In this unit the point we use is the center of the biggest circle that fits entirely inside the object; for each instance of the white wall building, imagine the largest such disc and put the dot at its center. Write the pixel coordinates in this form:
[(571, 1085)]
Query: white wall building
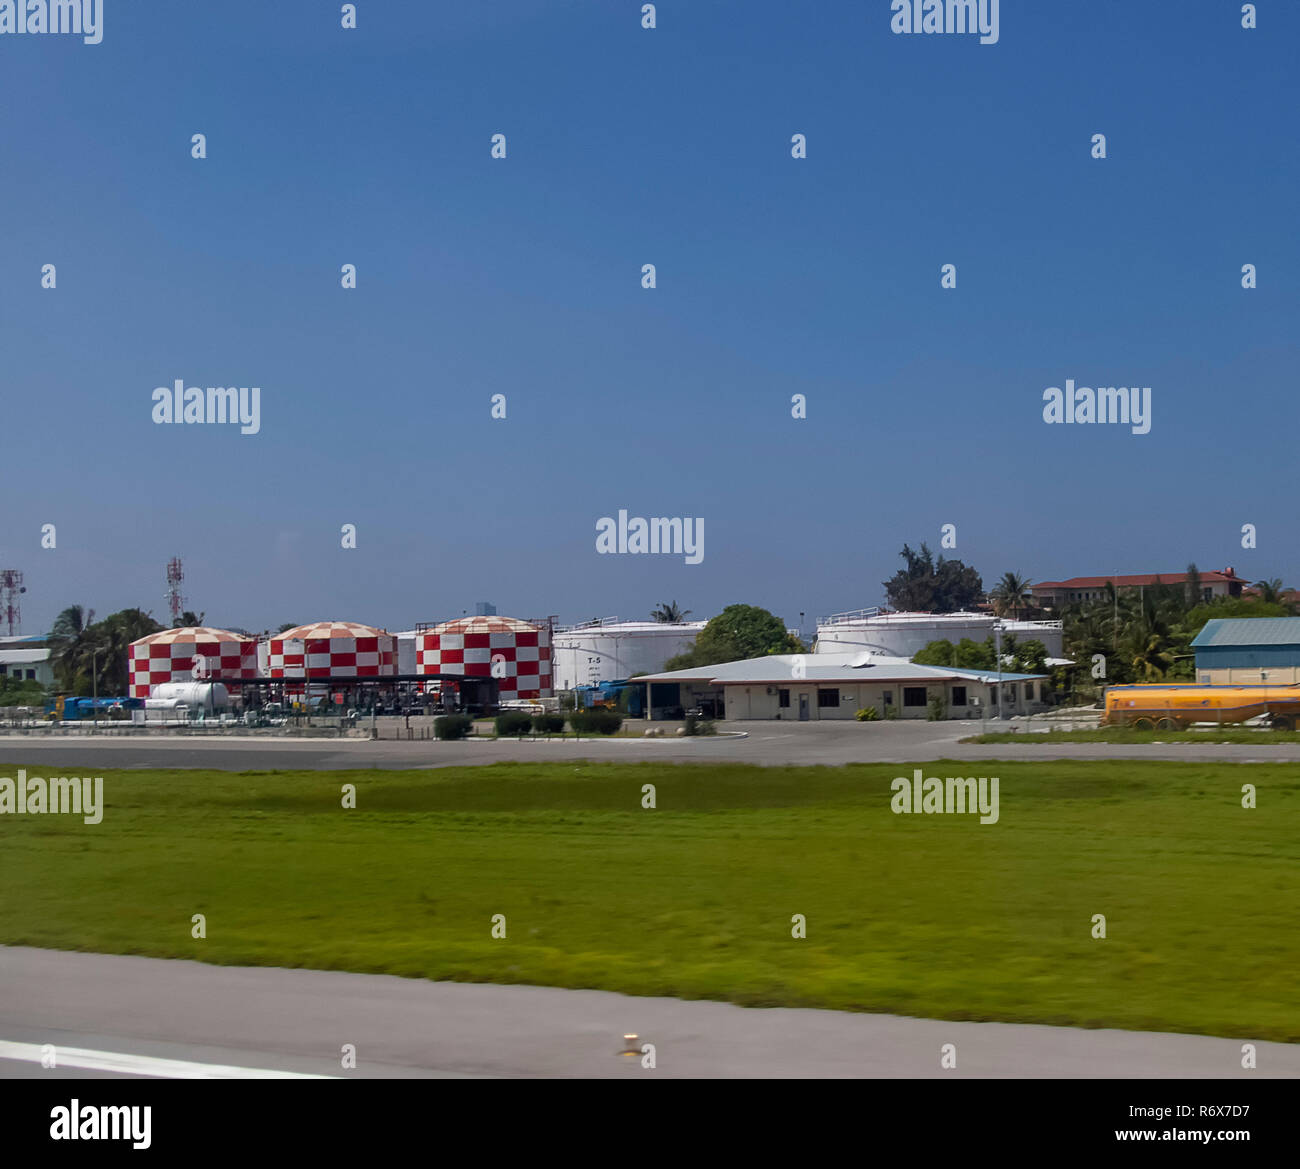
[(25, 659), (609, 649), (813, 687)]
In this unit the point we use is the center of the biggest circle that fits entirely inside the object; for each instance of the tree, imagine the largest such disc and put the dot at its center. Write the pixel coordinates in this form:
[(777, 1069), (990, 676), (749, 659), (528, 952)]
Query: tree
[(94, 659), (288, 625), (1030, 658), (189, 620), (1270, 591), (936, 653), (21, 692), (976, 655), (71, 622), (669, 613), (738, 632), (1147, 639), (69, 642), (930, 586), (1011, 595)]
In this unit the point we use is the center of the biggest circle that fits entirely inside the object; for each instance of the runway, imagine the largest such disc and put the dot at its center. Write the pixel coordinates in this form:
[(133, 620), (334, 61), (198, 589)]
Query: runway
[(763, 743), (296, 1023)]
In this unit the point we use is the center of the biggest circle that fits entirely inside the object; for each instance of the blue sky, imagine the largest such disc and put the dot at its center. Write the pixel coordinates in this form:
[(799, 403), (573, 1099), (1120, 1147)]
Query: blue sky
[(522, 277)]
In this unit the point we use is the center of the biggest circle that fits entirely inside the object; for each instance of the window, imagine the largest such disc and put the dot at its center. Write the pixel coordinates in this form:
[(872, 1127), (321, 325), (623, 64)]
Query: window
[(913, 695), (783, 698), (959, 696), (889, 698), (828, 698), (31, 674)]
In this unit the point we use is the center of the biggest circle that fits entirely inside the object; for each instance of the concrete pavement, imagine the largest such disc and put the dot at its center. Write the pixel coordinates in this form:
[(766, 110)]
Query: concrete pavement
[(767, 743), (298, 1021)]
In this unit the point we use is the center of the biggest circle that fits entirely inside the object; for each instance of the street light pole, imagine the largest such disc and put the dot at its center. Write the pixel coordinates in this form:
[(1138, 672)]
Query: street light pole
[(997, 653), (94, 689)]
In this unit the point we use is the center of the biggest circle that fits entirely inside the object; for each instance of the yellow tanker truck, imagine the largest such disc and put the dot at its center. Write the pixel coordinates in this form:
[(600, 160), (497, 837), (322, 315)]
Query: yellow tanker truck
[(1172, 707)]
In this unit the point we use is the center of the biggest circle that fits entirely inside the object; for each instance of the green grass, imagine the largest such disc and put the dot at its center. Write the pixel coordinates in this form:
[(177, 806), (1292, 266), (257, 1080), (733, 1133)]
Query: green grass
[(926, 915), (1261, 738)]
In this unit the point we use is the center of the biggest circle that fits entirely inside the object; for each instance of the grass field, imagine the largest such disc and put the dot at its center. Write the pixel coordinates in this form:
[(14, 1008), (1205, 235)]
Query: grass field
[(1260, 738), (932, 915)]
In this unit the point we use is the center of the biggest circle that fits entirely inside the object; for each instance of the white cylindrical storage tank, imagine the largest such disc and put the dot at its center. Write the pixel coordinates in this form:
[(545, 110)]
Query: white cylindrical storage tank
[(904, 635), (608, 651), (174, 655), (516, 653), (205, 696)]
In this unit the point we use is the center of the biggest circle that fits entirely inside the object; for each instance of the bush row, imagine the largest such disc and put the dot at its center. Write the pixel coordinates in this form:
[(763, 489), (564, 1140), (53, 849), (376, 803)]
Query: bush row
[(516, 722), (595, 722)]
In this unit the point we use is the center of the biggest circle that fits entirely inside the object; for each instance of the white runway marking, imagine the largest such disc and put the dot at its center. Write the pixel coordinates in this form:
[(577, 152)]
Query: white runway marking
[(144, 1065)]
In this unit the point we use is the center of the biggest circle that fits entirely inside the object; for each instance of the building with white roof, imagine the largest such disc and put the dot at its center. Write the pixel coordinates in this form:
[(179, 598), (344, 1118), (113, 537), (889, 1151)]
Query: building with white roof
[(26, 659), (809, 687)]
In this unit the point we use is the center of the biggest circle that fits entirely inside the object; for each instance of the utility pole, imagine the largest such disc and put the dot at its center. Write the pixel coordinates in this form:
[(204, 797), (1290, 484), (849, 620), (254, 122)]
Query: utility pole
[(1114, 625), (997, 653)]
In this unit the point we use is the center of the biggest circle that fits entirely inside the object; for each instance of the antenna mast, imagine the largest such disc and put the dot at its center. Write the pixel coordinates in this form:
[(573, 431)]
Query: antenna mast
[(175, 602), (11, 588)]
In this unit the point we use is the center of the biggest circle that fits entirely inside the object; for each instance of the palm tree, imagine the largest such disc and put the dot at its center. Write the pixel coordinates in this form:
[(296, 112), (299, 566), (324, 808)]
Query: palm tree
[(1270, 591), (92, 656), (669, 613), (116, 633), (1011, 595), (69, 638), (189, 619), (1148, 640)]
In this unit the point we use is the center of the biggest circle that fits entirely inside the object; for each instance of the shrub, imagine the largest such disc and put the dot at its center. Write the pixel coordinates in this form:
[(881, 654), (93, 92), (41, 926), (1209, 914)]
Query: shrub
[(891, 712), (868, 714), (452, 726), (548, 724), (600, 722), (513, 722), (937, 708)]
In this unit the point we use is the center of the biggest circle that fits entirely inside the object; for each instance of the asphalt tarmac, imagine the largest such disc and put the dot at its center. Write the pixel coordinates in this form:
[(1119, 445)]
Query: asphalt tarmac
[(109, 1016), (764, 743)]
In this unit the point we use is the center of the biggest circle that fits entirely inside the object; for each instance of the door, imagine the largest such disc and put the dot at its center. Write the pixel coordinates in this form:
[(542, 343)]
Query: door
[(803, 708)]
